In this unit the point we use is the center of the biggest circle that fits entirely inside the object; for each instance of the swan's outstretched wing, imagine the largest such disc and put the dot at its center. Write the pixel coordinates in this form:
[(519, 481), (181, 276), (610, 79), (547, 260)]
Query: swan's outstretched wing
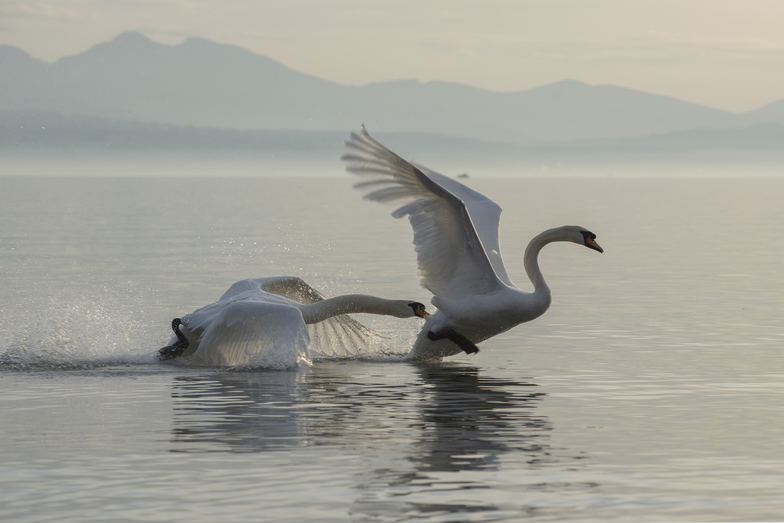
[(343, 337), (455, 228), (292, 288), (336, 337), (255, 333), (289, 287)]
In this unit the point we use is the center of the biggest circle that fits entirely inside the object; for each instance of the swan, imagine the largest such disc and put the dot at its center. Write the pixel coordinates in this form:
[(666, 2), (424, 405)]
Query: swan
[(458, 253), (273, 322)]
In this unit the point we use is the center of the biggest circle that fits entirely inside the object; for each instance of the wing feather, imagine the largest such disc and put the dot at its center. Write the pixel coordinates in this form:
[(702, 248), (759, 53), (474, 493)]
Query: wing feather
[(289, 287), (336, 337), (342, 337), (455, 228), (254, 313), (292, 288), (255, 333)]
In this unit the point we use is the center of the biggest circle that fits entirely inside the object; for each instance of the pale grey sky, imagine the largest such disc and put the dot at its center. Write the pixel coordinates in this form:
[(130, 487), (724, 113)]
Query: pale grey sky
[(721, 53)]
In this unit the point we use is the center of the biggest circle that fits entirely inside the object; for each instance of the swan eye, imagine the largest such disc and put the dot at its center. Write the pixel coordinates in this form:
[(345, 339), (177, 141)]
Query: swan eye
[(419, 309), (590, 241)]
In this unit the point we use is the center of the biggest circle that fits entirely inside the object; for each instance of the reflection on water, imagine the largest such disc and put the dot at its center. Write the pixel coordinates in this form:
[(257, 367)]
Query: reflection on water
[(418, 429), (661, 359), (246, 411), (469, 421), (460, 419)]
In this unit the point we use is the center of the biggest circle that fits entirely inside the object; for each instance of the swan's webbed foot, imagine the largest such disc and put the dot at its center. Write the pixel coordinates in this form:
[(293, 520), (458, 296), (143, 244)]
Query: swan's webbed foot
[(456, 338), (174, 351)]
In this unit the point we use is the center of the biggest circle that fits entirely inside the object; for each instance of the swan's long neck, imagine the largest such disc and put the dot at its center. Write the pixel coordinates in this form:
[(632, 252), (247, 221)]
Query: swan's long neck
[(354, 304), (177, 332), (531, 259)]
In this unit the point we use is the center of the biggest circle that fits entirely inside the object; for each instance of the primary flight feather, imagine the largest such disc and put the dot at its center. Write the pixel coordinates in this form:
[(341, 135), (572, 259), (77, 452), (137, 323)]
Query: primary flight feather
[(458, 253)]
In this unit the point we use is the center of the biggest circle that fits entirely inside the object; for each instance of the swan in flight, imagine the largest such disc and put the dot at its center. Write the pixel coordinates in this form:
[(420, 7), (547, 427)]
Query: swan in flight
[(276, 322), (458, 254)]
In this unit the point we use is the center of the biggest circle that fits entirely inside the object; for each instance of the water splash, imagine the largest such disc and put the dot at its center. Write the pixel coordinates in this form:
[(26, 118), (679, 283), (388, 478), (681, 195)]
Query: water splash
[(81, 333), (77, 335)]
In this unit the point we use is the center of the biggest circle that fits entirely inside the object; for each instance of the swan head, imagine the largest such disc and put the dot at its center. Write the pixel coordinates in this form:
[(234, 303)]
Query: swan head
[(582, 236), (419, 309), (589, 240)]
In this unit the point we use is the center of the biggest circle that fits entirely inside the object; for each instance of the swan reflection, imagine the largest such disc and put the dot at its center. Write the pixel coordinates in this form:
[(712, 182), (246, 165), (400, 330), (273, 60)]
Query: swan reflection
[(399, 431), (437, 416), (242, 411), (470, 420), (469, 423)]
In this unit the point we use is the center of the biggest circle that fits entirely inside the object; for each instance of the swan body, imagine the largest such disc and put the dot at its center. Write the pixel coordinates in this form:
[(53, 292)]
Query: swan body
[(458, 251), (277, 321)]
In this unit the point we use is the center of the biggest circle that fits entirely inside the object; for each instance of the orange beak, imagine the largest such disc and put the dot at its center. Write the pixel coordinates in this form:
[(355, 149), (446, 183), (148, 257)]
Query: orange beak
[(420, 311), (590, 242)]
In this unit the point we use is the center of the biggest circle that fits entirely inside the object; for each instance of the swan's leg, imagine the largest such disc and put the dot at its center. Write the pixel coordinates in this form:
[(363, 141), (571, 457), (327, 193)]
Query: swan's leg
[(456, 338)]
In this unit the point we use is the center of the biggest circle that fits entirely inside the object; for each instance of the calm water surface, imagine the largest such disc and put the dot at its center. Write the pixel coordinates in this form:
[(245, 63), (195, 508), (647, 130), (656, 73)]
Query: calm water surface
[(652, 390)]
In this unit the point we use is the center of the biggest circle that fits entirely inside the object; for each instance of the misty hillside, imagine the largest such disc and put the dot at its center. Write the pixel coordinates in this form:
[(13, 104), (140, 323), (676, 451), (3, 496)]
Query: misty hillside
[(204, 84), (28, 131)]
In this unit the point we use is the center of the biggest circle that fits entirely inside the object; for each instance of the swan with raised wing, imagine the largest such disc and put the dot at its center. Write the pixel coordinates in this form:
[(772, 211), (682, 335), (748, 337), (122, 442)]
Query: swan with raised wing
[(277, 322), (458, 253)]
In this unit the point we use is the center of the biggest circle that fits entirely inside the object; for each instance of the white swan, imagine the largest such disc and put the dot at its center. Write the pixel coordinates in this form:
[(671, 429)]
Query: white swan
[(276, 321), (458, 254)]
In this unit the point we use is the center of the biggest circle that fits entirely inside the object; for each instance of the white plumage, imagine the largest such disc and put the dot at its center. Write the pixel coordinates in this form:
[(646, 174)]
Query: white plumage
[(281, 322), (458, 253)]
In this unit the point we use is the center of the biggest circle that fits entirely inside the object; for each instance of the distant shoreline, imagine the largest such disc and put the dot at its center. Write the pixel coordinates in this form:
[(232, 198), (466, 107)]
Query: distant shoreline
[(34, 133)]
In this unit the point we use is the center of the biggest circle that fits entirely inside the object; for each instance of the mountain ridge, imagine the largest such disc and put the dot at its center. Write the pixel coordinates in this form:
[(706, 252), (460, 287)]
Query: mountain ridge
[(207, 84)]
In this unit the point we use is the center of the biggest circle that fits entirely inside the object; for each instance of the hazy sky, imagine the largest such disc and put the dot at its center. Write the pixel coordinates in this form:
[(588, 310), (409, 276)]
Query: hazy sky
[(721, 53)]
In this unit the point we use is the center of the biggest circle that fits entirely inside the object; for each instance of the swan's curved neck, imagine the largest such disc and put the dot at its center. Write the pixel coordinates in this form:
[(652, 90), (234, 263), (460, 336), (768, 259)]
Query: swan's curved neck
[(181, 337), (354, 304), (177, 332), (531, 259)]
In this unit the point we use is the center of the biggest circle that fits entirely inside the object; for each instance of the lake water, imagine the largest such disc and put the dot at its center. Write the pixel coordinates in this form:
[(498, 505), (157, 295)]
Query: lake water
[(652, 390)]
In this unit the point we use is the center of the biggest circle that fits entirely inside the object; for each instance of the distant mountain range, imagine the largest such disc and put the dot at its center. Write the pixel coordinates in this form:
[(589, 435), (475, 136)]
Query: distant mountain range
[(214, 86)]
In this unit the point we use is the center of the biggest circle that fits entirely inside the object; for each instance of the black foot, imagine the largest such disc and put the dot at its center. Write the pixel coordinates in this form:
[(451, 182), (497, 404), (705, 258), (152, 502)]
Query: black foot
[(174, 351), (456, 338)]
